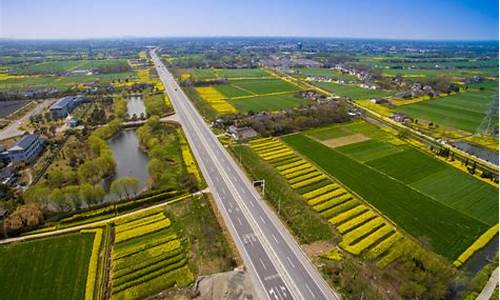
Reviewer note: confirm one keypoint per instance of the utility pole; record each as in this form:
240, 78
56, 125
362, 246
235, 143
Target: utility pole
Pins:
262, 183
279, 205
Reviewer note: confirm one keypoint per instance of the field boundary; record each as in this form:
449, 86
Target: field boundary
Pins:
92, 271
345, 187
397, 180
91, 225
477, 245
261, 95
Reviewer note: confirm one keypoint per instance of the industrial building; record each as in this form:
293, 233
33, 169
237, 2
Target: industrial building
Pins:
64, 106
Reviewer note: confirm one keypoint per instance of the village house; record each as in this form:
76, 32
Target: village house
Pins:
379, 100
241, 133
400, 118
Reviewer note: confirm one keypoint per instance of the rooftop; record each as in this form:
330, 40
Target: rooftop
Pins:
64, 101
24, 142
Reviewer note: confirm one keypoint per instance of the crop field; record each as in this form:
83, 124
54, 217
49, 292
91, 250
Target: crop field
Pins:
325, 72
207, 74
188, 158
419, 73
353, 91
263, 86
148, 257
215, 99
241, 73
463, 111
51, 268
202, 74
68, 65
231, 91
375, 143
355, 127
268, 103
443, 207
362, 229
269, 94
61, 82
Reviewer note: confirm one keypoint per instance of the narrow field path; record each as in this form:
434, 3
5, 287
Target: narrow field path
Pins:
490, 286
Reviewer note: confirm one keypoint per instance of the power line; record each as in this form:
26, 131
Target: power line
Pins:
488, 125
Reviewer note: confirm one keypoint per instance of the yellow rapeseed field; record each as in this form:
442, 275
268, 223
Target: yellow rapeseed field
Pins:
187, 156
92, 272
216, 100
478, 244
5, 76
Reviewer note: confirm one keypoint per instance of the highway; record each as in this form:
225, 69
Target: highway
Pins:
274, 260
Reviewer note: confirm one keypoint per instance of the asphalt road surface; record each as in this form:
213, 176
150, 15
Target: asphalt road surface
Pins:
12, 130
273, 258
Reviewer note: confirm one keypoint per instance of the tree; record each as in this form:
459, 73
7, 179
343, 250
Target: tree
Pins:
99, 193
24, 215
106, 164
90, 171
125, 186
91, 194
153, 122
58, 199
155, 170
188, 182
55, 178
72, 195
37, 195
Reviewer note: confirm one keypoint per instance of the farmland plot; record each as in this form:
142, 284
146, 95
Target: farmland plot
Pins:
435, 203
353, 91
264, 86
268, 103
207, 74
256, 94
147, 257
215, 99
353, 219
463, 111
51, 268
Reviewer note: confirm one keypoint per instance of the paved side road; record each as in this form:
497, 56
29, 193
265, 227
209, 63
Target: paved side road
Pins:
490, 286
274, 260
12, 130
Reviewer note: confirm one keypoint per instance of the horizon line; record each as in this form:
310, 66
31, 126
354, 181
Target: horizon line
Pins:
124, 37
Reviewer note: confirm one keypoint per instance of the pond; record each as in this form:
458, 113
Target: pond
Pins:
130, 160
135, 105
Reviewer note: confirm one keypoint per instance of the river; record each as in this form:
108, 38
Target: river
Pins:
129, 157
135, 105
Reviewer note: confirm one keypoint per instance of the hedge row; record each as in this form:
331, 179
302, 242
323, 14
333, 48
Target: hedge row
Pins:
121, 206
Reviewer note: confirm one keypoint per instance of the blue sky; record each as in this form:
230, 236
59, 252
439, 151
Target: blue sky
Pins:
398, 19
